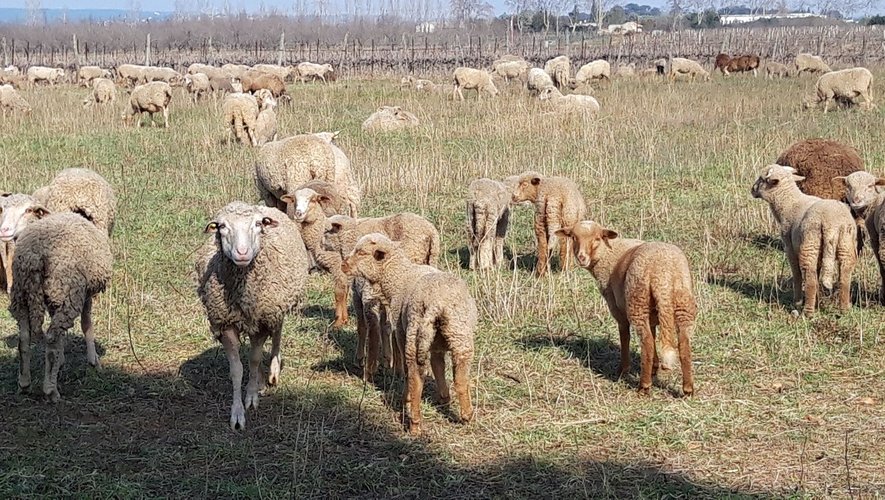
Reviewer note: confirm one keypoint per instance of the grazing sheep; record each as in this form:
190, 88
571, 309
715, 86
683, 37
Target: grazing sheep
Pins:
736, 64
818, 161
390, 118
310, 70
197, 84
721, 63
81, 191
538, 80
660, 65
225, 84
11, 100
202, 68
272, 69
254, 81
153, 97
507, 58
843, 85
776, 70
864, 194
44, 74
488, 215
250, 276
130, 74
421, 243
510, 70
595, 70
345, 181
560, 69
13, 78
681, 66
286, 164
810, 63
469, 78
817, 235
266, 122
160, 74
572, 103
645, 284
558, 203
62, 261
434, 313
103, 92
240, 112
86, 74
235, 70
626, 70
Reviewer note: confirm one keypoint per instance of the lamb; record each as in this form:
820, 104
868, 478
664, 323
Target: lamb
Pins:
488, 215
250, 275
44, 74
11, 100
327, 197
572, 103
817, 235
390, 118
273, 69
130, 74
776, 70
86, 74
469, 78
198, 85
344, 180
595, 70
864, 194
84, 192
843, 85
558, 203
266, 122
645, 284
434, 313
559, 69
509, 70
62, 262
307, 70
253, 81
421, 243
810, 63
682, 66
538, 80
284, 165
626, 70
103, 92
240, 112
153, 97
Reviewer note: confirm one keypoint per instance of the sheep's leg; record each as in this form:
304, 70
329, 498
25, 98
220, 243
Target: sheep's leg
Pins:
647, 352
847, 260
24, 354
500, 233
62, 320
565, 261
461, 374
415, 383
624, 333
472, 243
341, 290
230, 339
438, 365
360, 310
166, 117
89, 333
7, 265
388, 354
794, 268
808, 261
376, 323
276, 357
541, 237
684, 329
256, 352
879, 251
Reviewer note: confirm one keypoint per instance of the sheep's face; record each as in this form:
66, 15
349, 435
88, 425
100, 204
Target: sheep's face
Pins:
369, 257
545, 94
772, 179
16, 212
239, 234
588, 239
861, 189
526, 187
336, 233
298, 207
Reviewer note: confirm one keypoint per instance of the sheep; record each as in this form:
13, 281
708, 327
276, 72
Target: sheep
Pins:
235, 70
488, 215
153, 97
329, 199
390, 118
863, 192
559, 69
284, 165
44, 74
15, 212
558, 203
469, 78
645, 284
273, 69
721, 63
740, 64
253, 81
434, 313
843, 85
682, 66
818, 161
203, 68
423, 85
626, 70
307, 70
130, 74
344, 180
250, 275
507, 58
86, 74
538, 80
103, 92
84, 192
407, 82
240, 112
810, 63
817, 235
776, 70
595, 70
509, 70
660, 65
197, 84
160, 74
62, 262
421, 243
14, 79
11, 100
225, 84
572, 103
266, 122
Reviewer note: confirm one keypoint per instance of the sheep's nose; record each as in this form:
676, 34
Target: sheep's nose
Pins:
244, 251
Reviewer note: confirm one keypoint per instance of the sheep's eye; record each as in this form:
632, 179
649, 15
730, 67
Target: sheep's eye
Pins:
266, 221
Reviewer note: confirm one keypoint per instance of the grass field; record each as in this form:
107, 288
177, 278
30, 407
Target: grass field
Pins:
784, 407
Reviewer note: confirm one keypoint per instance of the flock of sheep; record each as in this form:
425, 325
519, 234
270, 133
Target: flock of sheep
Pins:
251, 271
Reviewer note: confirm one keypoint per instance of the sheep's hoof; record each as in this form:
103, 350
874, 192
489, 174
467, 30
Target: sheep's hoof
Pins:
467, 416
644, 391
52, 396
252, 400
24, 388
415, 429
444, 400
687, 391
237, 418
339, 323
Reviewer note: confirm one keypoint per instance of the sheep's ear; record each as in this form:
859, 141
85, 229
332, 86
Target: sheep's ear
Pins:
789, 169
798, 178
39, 212
880, 181
536, 181
211, 227
324, 199
564, 232
379, 255
4, 194
269, 222
608, 234
288, 198
839, 180
334, 228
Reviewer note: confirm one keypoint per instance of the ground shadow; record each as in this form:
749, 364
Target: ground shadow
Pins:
755, 291
600, 355
766, 241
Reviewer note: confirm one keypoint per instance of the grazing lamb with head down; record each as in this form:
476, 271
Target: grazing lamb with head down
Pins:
198, 85
434, 313
817, 235
103, 92
390, 118
558, 203
488, 215
538, 80
645, 284
572, 103
10, 99
511, 70
241, 117
844, 86
86, 74
62, 262
560, 69
469, 78
250, 275
266, 121
680, 66
776, 70
153, 97
599, 69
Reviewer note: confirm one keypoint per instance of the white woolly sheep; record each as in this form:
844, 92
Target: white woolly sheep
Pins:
390, 118
197, 84
16, 210
595, 70
810, 63
153, 97
250, 275
538, 80
680, 66
344, 181
160, 74
844, 85
11, 100
44, 74
286, 164
308, 70
626, 70
103, 92
817, 235
434, 313
510, 70
62, 262
560, 70
235, 70
488, 214
469, 78
776, 70
266, 122
86, 74
84, 192
273, 69
863, 191
130, 74
572, 103
240, 112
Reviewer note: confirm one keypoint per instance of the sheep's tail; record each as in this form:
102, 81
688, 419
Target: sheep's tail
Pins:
667, 325
433, 249
676, 314
829, 243
428, 325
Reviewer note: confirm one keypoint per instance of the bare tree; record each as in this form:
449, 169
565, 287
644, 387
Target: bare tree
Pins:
469, 10
35, 13
844, 7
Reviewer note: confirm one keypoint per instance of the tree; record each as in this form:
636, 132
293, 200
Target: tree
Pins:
844, 7
469, 10
35, 14
876, 20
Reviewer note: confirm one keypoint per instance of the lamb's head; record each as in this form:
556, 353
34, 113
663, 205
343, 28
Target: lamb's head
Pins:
236, 85
525, 186
16, 212
587, 239
338, 236
265, 99
370, 256
305, 205
490, 88
328, 136
328, 68
774, 179
238, 229
188, 81
861, 188
549, 93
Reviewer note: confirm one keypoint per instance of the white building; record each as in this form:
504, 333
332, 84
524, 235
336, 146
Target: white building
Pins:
749, 18
425, 28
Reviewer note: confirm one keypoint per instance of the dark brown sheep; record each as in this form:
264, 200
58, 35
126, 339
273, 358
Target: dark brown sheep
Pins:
254, 80
737, 64
722, 63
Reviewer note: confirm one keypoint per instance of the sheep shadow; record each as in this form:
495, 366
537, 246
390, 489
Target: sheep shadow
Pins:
766, 241
756, 291
75, 365
513, 261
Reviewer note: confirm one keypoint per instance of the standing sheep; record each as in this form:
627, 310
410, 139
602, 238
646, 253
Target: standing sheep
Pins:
254, 81
817, 235
844, 85
560, 70
776, 70
241, 117
645, 284
83, 192
266, 122
864, 194
286, 164
62, 262
818, 161
44, 74
86, 75
681, 66
558, 203
197, 84
344, 180
469, 78
276, 70
510, 70
434, 313
310, 70
153, 97
810, 63
250, 275
390, 118
103, 92
488, 215
130, 74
